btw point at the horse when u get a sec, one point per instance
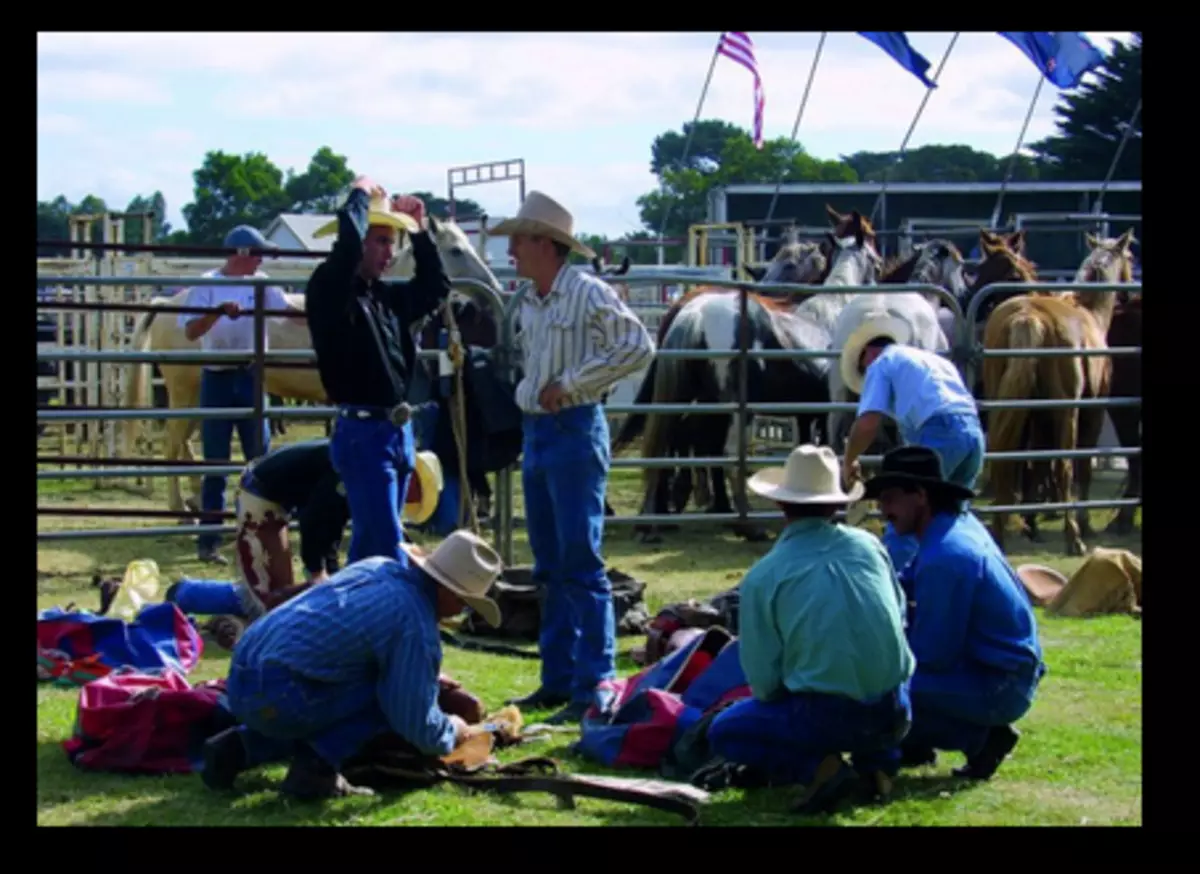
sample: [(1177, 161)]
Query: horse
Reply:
[(1126, 330), (708, 318), (1071, 320), (182, 381)]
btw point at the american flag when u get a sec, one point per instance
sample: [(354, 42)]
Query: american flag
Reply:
[(738, 46)]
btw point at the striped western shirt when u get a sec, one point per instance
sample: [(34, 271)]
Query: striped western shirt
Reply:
[(580, 334), (375, 622)]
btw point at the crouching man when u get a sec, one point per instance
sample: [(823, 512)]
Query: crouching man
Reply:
[(359, 656), (971, 626), (822, 647)]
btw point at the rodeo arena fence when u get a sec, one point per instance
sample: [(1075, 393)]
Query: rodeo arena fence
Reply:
[(97, 316)]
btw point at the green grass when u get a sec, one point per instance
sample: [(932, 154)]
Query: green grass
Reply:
[(1079, 760)]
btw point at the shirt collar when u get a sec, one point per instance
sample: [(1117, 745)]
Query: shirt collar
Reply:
[(802, 526), (557, 287), (938, 526)]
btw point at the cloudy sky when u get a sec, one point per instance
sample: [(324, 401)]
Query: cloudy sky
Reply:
[(127, 114)]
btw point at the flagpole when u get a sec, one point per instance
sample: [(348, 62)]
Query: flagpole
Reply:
[(1012, 162), (799, 115), (687, 145), (1112, 169), (887, 171)]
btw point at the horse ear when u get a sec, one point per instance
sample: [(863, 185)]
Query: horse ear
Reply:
[(1126, 240), (1092, 240), (1016, 242), (433, 224), (625, 265), (597, 265), (835, 216)]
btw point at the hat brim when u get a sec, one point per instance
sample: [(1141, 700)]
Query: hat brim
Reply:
[(885, 326), (398, 220), (769, 484), (1042, 583), (484, 606), (876, 485), (511, 226)]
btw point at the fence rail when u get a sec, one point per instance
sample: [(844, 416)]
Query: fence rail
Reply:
[(505, 307)]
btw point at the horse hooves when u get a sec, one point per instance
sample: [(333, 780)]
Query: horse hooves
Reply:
[(1032, 535), (650, 538)]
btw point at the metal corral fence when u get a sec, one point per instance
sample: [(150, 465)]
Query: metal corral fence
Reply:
[(965, 352)]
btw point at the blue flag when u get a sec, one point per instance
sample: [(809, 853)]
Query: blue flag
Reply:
[(1063, 56), (895, 43)]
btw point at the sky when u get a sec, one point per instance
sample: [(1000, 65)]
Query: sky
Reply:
[(127, 114)]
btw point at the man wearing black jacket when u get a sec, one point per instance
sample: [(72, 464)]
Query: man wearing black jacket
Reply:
[(362, 335)]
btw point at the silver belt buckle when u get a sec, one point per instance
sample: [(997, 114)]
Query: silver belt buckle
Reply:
[(400, 414)]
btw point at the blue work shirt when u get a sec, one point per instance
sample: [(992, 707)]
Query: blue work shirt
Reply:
[(376, 622), (967, 603), (823, 612), (911, 385)]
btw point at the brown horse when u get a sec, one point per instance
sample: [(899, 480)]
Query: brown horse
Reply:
[(1068, 320)]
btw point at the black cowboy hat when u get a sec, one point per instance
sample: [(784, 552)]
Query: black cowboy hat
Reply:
[(917, 466)]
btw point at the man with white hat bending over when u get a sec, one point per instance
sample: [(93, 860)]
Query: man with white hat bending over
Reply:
[(821, 637), (362, 335), (924, 394), (578, 339), (347, 661)]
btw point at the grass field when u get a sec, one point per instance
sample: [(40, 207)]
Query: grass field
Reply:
[(1079, 760)]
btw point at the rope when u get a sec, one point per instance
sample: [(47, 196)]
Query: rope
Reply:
[(796, 126), (458, 421)]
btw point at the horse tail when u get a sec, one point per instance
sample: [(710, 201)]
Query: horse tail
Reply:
[(1009, 378), (635, 422), (139, 380), (667, 385)]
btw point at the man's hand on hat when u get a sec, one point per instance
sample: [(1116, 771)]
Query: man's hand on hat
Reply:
[(372, 188), (411, 205)]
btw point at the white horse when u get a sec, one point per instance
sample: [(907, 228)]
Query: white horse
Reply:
[(913, 308), (182, 381)]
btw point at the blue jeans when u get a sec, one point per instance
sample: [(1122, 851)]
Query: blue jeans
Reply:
[(279, 711), (375, 460), (787, 738), (564, 469), (208, 598), (225, 388), (953, 711), (959, 440)]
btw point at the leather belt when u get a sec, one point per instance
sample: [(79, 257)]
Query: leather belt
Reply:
[(397, 415)]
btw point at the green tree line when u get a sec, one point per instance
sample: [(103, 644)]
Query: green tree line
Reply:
[(234, 189)]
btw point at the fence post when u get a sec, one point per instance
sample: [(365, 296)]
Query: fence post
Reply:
[(260, 375), (743, 390)]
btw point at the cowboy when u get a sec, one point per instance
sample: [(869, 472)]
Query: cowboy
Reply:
[(362, 335), (348, 661), (923, 393), (578, 340), (821, 633), (232, 384), (971, 626)]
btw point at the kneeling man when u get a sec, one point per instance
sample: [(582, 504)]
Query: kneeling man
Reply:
[(971, 625), (822, 646), (346, 661)]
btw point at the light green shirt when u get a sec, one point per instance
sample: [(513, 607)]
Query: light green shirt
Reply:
[(823, 612)]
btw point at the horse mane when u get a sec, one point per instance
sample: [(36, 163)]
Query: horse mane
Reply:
[(898, 268), (777, 304)]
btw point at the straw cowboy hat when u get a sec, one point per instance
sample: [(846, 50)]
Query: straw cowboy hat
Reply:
[(878, 323), (467, 566), (1110, 581), (811, 476), (917, 466), (380, 212), (424, 489), (546, 217)]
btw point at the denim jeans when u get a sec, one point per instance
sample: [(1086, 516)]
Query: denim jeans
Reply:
[(225, 388), (959, 441), (564, 468), (788, 737), (375, 460)]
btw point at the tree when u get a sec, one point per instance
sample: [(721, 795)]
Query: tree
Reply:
[(439, 207), (1092, 120), (160, 228), (233, 190), (938, 163), (321, 188)]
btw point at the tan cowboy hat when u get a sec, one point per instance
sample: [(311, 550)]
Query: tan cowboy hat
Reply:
[(1109, 581), (811, 476), (877, 324), (467, 566), (544, 216), (380, 212), (424, 489)]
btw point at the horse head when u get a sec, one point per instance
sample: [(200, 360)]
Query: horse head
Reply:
[(606, 271), (1003, 261), (852, 223), (459, 256), (855, 259), (1110, 260), (796, 262), (939, 262)]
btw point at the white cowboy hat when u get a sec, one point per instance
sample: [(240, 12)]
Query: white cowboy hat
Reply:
[(811, 476), (380, 212), (467, 566), (876, 324), (546, 217), (424, 489)]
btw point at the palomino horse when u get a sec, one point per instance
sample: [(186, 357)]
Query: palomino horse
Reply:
[(1070, 320), (182, 381), (1126, 330), (711, 319)]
